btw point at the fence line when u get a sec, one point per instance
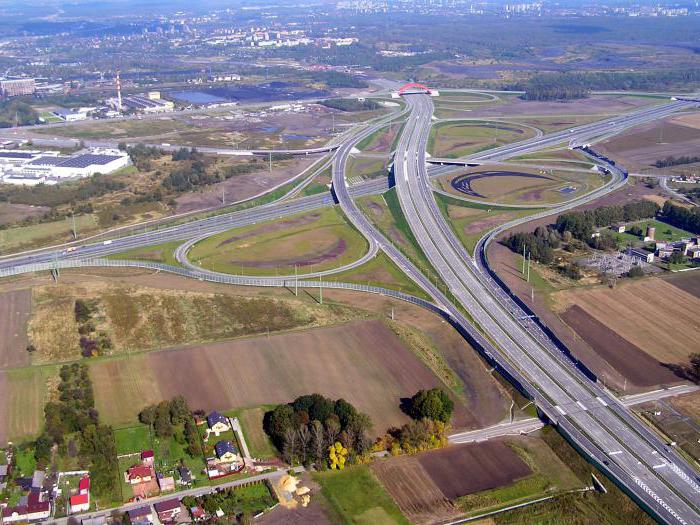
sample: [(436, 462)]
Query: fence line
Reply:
[(62, 264)]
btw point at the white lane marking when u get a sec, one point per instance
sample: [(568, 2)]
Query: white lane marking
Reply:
[(560, 410), (581, 405), (602, 401)]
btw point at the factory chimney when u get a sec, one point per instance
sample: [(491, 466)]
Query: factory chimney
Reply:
[(119, 92)]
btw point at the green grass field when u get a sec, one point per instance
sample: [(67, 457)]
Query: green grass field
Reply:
[(251, 419), (55, 232), (162, 253), (381, 271), (315, 241), (455, 139), (357, 498), (471, 221), (664, 232), (133, 439)]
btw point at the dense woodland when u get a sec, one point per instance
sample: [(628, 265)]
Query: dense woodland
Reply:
[(684, 218), (578, 84), (14, 112)]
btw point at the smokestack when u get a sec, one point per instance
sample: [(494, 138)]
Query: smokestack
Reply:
[(119, 93)]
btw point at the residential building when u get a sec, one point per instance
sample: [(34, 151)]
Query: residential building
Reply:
[(227, 452), (139, 474), (79, 503), (168, 510), (641, 255), (185, 475), (18, 87), (165, 483), (218, 423), (147, 458), (141, 515), (33, 507)]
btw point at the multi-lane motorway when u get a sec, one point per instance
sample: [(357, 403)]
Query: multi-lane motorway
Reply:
[(593, 419), (596, 421)]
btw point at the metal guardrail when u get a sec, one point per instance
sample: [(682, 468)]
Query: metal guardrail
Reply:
[(215, 278)]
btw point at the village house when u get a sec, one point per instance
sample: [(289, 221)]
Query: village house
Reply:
[(198, 513), (141, 515), (165, 483), (33, 507), (80, 502), (218, 423), (139, 474), (185, 475), (168, 510), (147, 458), (227, 452)]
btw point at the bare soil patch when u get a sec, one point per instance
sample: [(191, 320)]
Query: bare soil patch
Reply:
[(363, 362), (244, 186), (464, 469), (642, 146), (688, 282), (15, 307), (628, 359), (594, 105), (11, 213), (652, 314), (414, 491)]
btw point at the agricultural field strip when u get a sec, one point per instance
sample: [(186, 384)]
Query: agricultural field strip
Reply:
[(427, 218)]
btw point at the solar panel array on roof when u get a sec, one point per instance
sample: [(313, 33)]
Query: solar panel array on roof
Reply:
[(47, 161), (88, 159), (16, 155)]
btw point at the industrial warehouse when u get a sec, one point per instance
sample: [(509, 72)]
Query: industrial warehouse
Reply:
[(29, 167)]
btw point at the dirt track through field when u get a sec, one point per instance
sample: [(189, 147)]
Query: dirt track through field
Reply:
[(4, 416), (362, 362), (15, 307), (628, 359)]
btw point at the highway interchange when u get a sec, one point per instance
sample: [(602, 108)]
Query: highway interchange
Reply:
[(599, 425)]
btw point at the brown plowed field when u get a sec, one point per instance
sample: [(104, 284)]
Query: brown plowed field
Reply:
[(644, 145), (630, 360), (414, 491), (650, 313), (464, 469), (363, 362), (688, 282), (15, 307)]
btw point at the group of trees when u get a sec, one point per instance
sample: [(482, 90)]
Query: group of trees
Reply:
[(581, 224), (173, 418), (684, 218), (305, 429), (431, 411), (540, 244), (433, 404), (676, 161), (92, 342), (74, 414), (187, 154), (15, 112), (351, 104)]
